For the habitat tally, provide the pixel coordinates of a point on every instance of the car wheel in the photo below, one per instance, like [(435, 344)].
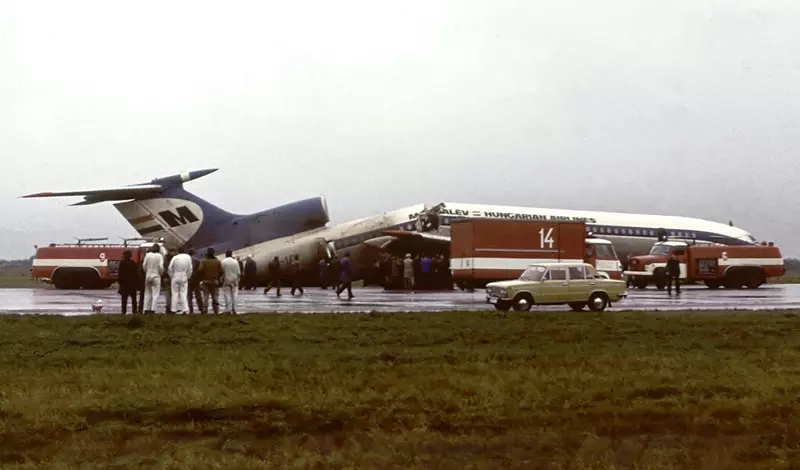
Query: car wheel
[(598, 302), (577, 307), (523, 302)]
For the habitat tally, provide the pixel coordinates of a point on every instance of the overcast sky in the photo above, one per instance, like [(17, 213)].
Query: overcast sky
[(680, 108)]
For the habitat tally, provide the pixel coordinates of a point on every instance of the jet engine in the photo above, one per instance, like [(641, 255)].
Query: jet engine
[(309, 251)]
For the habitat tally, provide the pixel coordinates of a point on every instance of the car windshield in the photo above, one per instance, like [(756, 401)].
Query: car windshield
[(533, 273), (660, 250)]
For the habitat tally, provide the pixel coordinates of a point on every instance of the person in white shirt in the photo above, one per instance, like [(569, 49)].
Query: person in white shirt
[(153, 267), (180, 270), (230, 281)]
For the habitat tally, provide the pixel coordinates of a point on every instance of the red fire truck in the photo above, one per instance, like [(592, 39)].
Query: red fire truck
[(83, 265), (486, 250), (716, 265)]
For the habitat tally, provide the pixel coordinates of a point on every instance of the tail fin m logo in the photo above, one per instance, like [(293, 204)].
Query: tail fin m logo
[(182, 216)]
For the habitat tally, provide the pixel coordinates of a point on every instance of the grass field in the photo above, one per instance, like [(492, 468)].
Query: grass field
[(453, 390)]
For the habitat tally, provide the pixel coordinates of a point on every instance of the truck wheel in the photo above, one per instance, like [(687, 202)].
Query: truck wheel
[(577, 306), (712, 284), (755, 280), (660, 278), (502, 305), (598, 302), (523, 302), (733, 280)]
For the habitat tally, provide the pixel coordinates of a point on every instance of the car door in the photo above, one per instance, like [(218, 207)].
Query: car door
[(579, 286), (555, 287)]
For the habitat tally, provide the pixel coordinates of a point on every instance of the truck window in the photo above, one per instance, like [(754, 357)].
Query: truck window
[(577, 272), (606, 252), (659, 250), (557, 274), (589, 251), (679, 251)]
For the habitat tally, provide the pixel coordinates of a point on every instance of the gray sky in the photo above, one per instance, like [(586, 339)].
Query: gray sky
[(680, 108)]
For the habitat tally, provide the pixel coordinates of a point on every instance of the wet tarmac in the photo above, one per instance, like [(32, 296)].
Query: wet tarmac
[(315, 300)]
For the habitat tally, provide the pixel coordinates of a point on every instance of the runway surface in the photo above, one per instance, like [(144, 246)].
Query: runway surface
[(315, 300)]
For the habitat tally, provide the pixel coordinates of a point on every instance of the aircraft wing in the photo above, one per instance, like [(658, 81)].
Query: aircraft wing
[(93, 196), (428, 237)]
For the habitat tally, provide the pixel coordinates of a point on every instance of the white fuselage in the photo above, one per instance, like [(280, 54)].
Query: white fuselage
[(631, 234)]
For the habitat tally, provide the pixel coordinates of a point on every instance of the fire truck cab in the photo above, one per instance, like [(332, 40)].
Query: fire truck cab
[(716, 265)]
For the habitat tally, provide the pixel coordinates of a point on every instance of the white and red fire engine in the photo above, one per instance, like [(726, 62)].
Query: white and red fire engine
[(731, 266), (83, 265)]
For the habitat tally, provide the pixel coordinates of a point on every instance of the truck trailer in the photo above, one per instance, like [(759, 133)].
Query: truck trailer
[(488, 250)]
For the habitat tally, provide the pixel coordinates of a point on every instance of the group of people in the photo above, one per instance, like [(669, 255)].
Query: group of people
[(186, 280), (182, 277), (419, 272)]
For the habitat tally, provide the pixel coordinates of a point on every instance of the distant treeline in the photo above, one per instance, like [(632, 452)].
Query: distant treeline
[(16, 263)]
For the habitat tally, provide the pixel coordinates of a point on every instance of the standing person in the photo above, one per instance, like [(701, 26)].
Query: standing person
[(153, 267), (128, 280), (425, 271), (324, 265), (140, 284), (209, 275), (294, 274), (180, 271), (408, 272), (250, 273), (274, 272), (397, 273), (194, 284), (231, 272), (345, 277), (166, 280), (673, 274)]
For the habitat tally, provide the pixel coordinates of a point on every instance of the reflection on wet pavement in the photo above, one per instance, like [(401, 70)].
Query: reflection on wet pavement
[(51, 301)]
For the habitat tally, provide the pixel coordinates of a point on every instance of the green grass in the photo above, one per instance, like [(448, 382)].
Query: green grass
[(18, 278), (451, 390)]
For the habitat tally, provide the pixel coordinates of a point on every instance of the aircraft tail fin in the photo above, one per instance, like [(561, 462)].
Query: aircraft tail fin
[(176, 216)]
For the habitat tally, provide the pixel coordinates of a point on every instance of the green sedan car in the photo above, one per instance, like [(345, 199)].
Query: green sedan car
[(575, 284)]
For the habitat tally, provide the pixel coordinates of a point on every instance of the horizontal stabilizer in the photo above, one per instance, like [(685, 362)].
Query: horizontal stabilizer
[(137, 191)]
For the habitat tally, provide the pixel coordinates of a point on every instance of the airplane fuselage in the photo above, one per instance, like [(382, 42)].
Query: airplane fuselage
[(365, 240)]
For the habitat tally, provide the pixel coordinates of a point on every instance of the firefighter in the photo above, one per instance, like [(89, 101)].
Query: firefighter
[(230, 281), (194, 285), (673, 274), (128, 281), (209, 274), (274, 272), (345, 277), (294, 274), (180, 271), (153, 267)]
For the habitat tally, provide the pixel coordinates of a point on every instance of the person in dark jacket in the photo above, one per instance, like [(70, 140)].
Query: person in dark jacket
[(209, 275), (345, 277), (295, 271), (673, 274), (250, 273), (194, 285), (324, 266), (128, 281), (274, 271)]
